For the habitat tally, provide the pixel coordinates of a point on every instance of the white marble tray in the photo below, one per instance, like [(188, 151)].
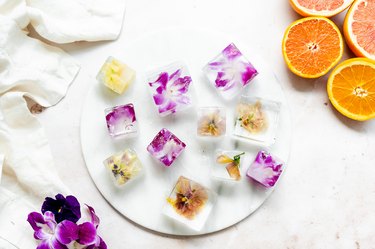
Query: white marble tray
[(142, 201)]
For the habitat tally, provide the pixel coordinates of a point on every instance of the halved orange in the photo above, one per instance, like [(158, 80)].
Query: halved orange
[(359, 28), (312, 46), (325, 8), (351, 88)]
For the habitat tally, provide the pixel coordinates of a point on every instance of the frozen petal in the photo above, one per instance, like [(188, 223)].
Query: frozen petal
[(183, 99), (170, 105), (175, 75), (159, 99), (249, 73), (87, 233), (181, 85), (231, 52), (162, 80), (66, 231)]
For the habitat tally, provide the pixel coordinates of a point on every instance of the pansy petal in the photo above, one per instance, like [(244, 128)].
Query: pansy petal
[(181, 85), (49, 218), (249, 73), (87, 233), (175, 75), (94, 218), (162, 79), (40, 234), (34, 219), (183, 99), (231, 52), (159, 99), (169, 106), (74, 207), (66, 231), (55, 244), (44, 245), (102, 244)]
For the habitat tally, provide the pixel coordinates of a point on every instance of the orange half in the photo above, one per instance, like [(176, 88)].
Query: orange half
[(351, 88), (359, 28), (325, 8), (312, 46)]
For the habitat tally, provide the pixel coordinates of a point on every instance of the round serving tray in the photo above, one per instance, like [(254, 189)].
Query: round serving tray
[(142, 201)]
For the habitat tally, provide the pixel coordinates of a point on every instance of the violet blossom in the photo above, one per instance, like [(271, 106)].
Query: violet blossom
[(63, 208), (65, 234), (170, 92)]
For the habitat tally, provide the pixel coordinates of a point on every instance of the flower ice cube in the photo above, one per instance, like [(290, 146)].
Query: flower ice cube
[(266, 169), (121, 120), (123, 166), (227, 165), (229, 72), (256, 120), (166, 147), (211, 122), (190, 203), (170, 88), (115, 75)]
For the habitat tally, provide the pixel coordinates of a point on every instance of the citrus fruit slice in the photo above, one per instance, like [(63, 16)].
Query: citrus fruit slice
[(359, 28), (312, 46), (325, 8), (351, 88)]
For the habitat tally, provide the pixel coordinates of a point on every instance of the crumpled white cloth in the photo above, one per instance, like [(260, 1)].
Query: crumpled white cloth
[(89, 20), (30, 68), (42, 73)]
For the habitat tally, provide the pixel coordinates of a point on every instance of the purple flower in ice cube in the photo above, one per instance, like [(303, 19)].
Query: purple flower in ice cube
[(232, 68), (63, 208), (170, 91), (266, 169), (121, 119), (166, 147), (51, 234)]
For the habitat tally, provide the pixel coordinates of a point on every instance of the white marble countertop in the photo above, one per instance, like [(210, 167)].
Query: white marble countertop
[(325, 198)]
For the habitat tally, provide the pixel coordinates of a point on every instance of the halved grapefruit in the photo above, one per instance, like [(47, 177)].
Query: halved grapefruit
[(325, 8), (359, 28)]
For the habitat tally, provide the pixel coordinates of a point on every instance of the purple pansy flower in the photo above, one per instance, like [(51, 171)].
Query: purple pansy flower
[(266, 169), (166, 147), (230, 71), (63, 208), (87, 234), (66, 233), (170, 91), (51, 234)]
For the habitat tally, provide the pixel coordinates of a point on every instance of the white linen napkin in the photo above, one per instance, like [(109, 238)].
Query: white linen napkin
[(43, 73), (30, 68), (65, 21)]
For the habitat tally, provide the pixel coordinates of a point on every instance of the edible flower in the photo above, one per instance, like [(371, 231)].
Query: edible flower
[(252, 117), (190, 198), (171, 91), (232, 165), (51, 234), (65, 233), (63, 208), (232, 68), (212, 124)]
